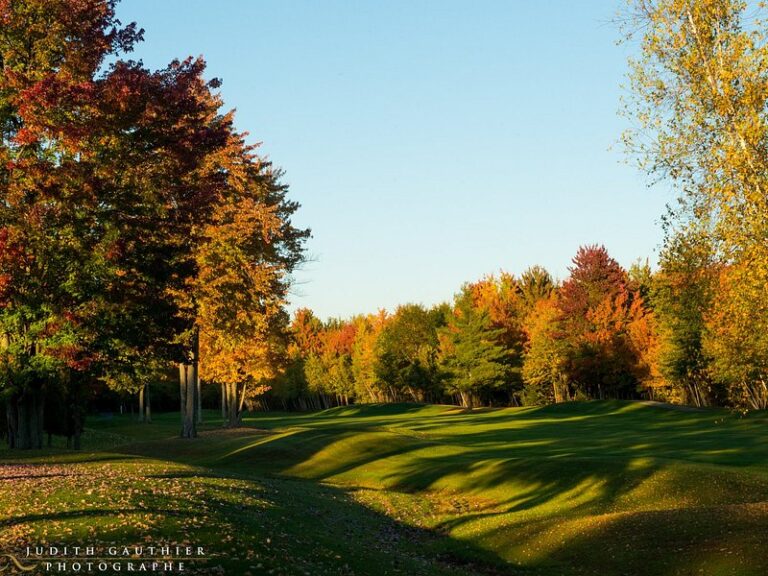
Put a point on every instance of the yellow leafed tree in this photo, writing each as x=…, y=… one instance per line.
x=240, y=292
x=699, y=99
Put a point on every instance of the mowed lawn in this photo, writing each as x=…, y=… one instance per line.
x=597, y=488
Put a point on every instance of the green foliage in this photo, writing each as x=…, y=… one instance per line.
x=736, y=337
x=407, y=352
x=682, y=295
x=471, y=357
x=535, y=284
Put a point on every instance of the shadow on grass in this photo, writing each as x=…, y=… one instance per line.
x=246, y=525
x=594, y=488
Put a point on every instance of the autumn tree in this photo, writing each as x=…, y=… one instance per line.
x=244, y=262
x=306, y=330
x=534, y=285
x=544, y=367
x=55, y=225
x=330, y=379
x=304, y=340
x=111, y=174
x=596, y=309
x=698, y=99
x=544, y=379
x=364, y=356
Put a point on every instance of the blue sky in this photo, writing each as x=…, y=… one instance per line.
x=429, y=142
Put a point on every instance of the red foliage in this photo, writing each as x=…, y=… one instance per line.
x=594, y=277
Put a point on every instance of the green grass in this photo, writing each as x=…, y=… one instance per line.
x=597, y=488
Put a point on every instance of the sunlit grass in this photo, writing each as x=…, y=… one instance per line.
x=594, y=488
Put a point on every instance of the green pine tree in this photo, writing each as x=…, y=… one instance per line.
x=472, y=359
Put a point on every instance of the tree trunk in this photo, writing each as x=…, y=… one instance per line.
x=25, y=419
x=147, y=405
x=233, y=414
x=141, y=404
x=12, y=418
x=182, y=394
x=187, y=383
x=223, y=402
x=199, y=395
x=188, y=389
x=75, y=408
x=241, y=402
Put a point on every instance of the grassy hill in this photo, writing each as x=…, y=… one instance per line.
x=584, y=488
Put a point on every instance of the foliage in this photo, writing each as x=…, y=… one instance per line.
x=597, y=309
x=243, y=266
x=682, y=296
x=407, y=352
x=534, y=285
x=471, y=354
x=546, y=380
x=736, y=337
x=57, y=216
x=699, y=102
x=121, y=192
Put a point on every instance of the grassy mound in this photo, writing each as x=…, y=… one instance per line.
x=589, y=488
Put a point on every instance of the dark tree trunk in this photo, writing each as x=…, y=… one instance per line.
x=198, y=395
x=147, y=405
x=12, y=418
x=75, y=408
x=188, y=401
x=188, y=389
x=25, y=411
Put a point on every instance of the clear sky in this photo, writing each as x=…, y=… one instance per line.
x=429, y=142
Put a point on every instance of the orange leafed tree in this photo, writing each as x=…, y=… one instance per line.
x=244, y=264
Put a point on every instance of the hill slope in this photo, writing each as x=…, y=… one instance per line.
x=593, y=488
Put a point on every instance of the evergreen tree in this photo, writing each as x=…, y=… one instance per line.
x=472, y=359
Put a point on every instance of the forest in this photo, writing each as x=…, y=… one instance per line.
x=137, y=226
x=602, y=333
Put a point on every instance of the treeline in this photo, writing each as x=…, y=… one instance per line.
x=139, y=231
x=603, y=332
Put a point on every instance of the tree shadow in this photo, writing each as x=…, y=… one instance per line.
x=246, y=524
x=567, y=487
x=558, y=468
